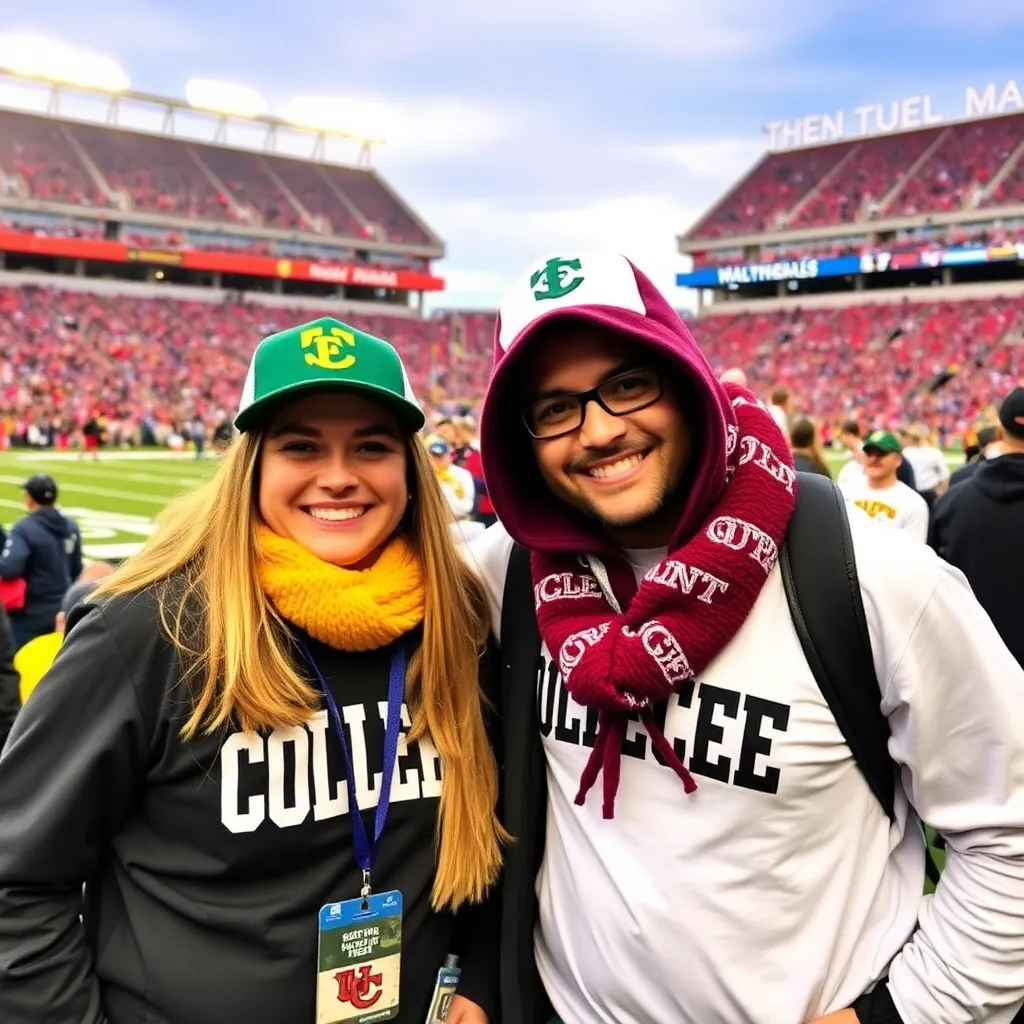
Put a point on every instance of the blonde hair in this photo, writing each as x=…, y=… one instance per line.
x=233, y=641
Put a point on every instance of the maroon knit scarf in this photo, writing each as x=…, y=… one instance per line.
x=686, y=609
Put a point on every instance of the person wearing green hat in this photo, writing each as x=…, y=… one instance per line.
x=879, y=491
x=263, y=745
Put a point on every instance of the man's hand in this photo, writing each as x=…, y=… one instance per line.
x=839, y=1017
x=462, y=1011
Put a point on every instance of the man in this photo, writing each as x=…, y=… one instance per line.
x=45, y=549
x=931, y=472
x=781, y=409
x=978, y=525
x=989, y=446
x=879, y=491
x=852, y=472
x=694, y=842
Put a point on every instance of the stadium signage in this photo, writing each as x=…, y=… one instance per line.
x=220, y=262
x=839, y=266
x=371, y=277
x=756, y=273
x=893, y=116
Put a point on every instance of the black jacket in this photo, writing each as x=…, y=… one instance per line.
x=206, y=862
x=978, y=527
x=10, y=696
x=44, y=548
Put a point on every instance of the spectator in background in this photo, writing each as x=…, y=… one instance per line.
x=931, y=473
x=197, y=432
x=880, y=492
x=446, y=430
x=852, y=473
x=807, y=453
x=468, y=458
x=92, y=437
x=978, y=525
x=222, y=435
x=456, y=482
x=45, y=549
x=780, y=409
x=734, y=375
x=990, y=446
x=10, y=700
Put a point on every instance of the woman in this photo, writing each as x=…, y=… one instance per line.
x=184, y=755
x=807, y=454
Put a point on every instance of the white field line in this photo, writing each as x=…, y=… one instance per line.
x=100, y=492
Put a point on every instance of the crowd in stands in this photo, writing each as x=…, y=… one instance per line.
x=962, y=165
x=146, y=362
x=864, y=179
x=37, y=151
x=936, y=362
x=67, y=356
x=97, y=166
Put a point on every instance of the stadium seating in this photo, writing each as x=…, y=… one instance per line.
x=761, y=201
x=864, y=179
x=856, y=188
x=154, y=174
x=964, y=162
x=40, y=162
x=175, y=177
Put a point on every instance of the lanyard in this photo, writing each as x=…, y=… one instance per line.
x=365, y=852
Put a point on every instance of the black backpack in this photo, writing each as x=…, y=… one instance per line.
x=819, y=574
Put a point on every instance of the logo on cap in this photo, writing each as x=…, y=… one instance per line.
x=558, y=279
x=328, y=347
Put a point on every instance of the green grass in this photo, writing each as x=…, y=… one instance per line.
x=114, y=500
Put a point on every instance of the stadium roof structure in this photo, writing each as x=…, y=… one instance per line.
x=169, y=110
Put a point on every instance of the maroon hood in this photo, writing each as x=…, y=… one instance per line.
x=607, y=290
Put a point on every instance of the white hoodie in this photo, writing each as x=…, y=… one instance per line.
x=780, y=891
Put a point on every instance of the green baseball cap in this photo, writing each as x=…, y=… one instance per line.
x=325, y=353
x=883, y=441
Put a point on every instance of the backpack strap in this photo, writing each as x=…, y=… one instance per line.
x=819, y=574
x=518, y=616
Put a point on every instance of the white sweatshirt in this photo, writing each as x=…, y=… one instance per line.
x=779, y=891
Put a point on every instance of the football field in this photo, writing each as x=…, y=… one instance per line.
x=114, y=500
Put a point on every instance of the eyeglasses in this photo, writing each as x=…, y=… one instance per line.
x=619, y=395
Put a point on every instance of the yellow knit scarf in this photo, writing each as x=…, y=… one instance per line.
x=350, y=609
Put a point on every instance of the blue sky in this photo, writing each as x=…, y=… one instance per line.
x=516, y=129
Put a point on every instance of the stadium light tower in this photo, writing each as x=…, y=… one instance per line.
x=56, y=62
x=226, y=99
x=343, y=118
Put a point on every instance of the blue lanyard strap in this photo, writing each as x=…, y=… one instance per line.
x=365, y=853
